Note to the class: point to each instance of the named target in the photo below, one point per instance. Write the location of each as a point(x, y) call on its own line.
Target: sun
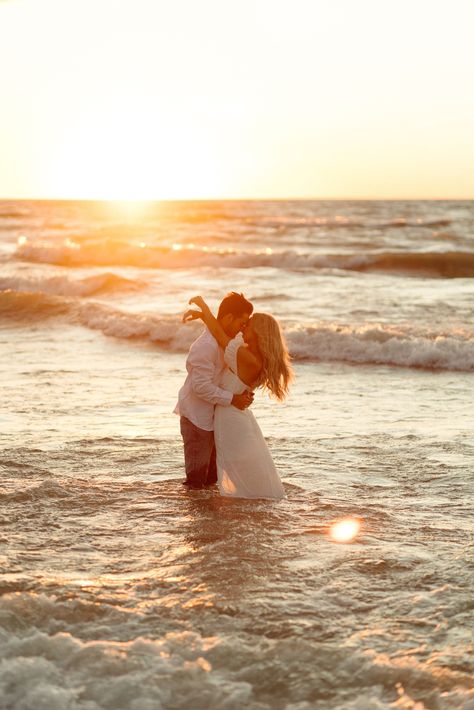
point(131, 211)
point(128, 155)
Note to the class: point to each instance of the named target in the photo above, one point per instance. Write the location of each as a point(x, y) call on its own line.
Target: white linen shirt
point(200, 392)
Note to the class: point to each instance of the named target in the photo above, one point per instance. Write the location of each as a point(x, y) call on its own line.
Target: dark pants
point(199, 454)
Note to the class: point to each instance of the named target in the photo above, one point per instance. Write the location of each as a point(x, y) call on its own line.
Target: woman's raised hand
point(198, 301)
point(190, 315)
point(205, 314)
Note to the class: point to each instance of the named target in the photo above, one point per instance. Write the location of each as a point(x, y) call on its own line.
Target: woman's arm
point(212, 323)
point(248, 365)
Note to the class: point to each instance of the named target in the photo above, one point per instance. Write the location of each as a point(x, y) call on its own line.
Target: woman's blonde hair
point(277, 373)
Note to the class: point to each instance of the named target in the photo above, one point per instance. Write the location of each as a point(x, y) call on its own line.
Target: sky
point(203, 99)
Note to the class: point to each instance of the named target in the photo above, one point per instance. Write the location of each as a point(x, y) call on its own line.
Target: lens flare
point(344, 530)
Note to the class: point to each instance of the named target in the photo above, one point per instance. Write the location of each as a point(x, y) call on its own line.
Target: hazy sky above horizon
point(163, 99)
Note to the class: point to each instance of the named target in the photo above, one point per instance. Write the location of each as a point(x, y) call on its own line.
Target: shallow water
point(122, 590)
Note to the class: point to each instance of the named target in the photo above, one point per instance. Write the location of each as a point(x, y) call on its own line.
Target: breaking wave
point(33, 307)
point(64, 286)
point(46, 664)
point(384, 345)
point(441, 264)
point(402, 346)
point(449, 264)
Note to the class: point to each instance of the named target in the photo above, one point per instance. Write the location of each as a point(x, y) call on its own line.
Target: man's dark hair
point(234, 303)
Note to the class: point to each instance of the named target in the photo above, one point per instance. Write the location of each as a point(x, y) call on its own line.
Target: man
point(201, 392)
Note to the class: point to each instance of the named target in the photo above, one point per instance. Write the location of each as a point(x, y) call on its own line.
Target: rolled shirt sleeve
point(202, 373)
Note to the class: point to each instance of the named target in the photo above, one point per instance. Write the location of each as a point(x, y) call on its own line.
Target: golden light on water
point(344, 530)
point(129, 210)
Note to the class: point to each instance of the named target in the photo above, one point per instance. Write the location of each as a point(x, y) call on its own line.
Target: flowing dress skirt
point(245, 468)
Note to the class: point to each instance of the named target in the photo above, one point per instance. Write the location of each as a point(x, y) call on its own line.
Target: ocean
point(122, 590)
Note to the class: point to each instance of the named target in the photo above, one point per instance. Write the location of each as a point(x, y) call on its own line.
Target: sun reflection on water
point(130, 210)
point(344, 530)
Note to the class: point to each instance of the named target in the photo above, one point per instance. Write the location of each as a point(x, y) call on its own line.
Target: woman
point(259, 358)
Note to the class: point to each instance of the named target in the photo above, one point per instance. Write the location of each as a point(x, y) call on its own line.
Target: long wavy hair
point(277, 373)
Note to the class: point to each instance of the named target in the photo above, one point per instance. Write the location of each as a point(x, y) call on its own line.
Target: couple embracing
point(237, 353)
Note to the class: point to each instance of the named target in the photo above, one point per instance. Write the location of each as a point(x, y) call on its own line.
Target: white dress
point(245, 468)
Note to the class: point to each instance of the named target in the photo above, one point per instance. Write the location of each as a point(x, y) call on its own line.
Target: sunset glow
point(154, 100)
point(126, 155)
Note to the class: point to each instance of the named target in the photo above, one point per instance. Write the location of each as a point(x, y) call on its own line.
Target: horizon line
point(238, 199)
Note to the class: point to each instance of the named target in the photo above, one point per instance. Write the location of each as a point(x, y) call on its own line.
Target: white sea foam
point(42, 669)
point(384, 344)
point(54, 672)
point(113, 252)
point(365, 344)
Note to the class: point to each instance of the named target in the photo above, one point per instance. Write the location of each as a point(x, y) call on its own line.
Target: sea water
point(122, 590)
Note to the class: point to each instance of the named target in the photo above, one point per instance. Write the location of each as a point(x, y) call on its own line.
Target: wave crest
point(450, 264)
point(384, 345)
point(364, 344)
point(166, 331)
point(63, 286)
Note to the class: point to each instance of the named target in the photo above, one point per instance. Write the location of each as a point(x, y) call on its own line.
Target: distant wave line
point(448, 264)
point(342, 223)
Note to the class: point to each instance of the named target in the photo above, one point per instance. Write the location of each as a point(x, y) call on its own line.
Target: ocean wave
point(87, 655)
point(384, 345)
point(449, 264)
point(63, 286)
point(13, 213)
point(45, 490)
point(379, 344)
point(25, 306)
point(166, 331)
point(330, 223)
point(110, 252)
point(428, 223)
